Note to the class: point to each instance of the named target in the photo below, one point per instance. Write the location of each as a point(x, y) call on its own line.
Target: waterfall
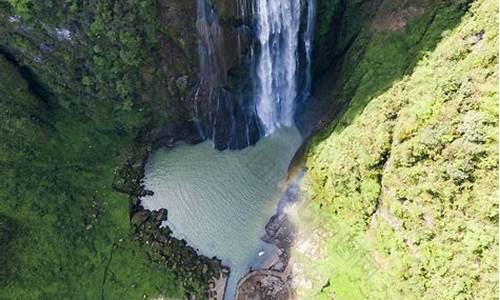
point(209, 41)
point(210, 61)
point(254, 73)
point(278, 29)
point(278, 26)
point(308, 46)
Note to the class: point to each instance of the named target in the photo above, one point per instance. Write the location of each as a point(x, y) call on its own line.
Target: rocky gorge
point(91, 91)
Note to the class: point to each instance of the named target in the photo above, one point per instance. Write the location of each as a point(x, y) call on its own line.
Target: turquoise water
point(219, 202)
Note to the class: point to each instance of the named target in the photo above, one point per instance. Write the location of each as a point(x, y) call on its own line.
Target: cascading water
point(209, 40)
point(221, 105)
point(253, 73)
point(278, 31)
point(210, 62)
point(308, 47)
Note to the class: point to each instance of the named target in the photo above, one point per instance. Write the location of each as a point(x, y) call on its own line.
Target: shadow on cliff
point(370, 54)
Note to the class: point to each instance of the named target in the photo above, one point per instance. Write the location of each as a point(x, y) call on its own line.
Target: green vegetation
point(65, 232)
point(71, 80)
point(405, 183)
point(88, 54)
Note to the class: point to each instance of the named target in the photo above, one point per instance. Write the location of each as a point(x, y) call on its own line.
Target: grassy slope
point(406, 187)
point(65, 233)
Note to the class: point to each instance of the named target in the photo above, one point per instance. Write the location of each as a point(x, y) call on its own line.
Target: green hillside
point(404, 185)
point(71, 107)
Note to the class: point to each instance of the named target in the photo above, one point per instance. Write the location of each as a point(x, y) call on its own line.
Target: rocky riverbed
point(272, 280)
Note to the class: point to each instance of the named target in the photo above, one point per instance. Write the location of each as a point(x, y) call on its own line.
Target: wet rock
point(222, 101)
point(155, 245)
point(182, 83)
point(225, 117)
point(134, 201)
point(140, 217)
point(280, 231)
point(282, 262)
point(168, 134)
point(264, 286)
point(162, 215)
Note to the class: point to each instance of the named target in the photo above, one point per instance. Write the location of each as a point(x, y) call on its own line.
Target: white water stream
point(278, 28)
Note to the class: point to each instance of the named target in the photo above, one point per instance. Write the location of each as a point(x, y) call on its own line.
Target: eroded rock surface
point(264, 285)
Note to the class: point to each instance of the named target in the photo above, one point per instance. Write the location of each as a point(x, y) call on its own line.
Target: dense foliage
point(86, 53)
point(405, 184)
point(70, 107)
point(64, 232)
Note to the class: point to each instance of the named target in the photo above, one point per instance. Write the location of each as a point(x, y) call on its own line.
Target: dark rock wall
point(171, 74)
point(222, 103)
point(339, 24)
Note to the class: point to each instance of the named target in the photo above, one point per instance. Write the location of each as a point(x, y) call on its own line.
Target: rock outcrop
point(221, 103)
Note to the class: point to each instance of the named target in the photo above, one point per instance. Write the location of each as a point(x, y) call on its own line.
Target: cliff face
point(360, 48)
point(170, 72)
point(222, 103)
point(404, 183)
